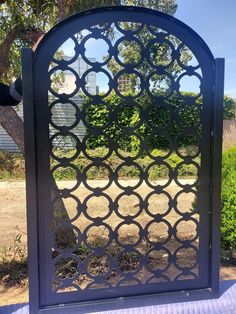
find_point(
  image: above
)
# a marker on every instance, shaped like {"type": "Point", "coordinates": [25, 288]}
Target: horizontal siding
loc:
{"type": "Point", "coordinates": [61, 115]}
{"type": "Point", "coordinates": [64, 115]}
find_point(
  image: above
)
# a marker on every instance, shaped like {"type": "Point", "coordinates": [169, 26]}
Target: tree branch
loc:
{"type": "Point", "coordinates": [5, 49]}
{"type": "Point", "coordinates": [61, 10]}
{"type": "Point", "coordinates": [31, 35]}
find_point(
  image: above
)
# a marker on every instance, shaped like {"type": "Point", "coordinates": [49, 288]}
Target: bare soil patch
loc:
{"type": "Point", "coordinates": [13, 222]}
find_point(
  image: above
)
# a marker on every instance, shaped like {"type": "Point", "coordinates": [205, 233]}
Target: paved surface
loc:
{"type": "Point", "coordinates": [225, 304]}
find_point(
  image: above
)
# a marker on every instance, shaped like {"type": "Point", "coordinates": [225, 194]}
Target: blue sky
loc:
{"type": "Point", "coordinates": [215, 22]}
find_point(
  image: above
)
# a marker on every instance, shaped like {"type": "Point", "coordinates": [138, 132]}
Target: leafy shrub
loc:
{"type": "Point", "coordinates": [157, 114]}
{"type": "Point", "coordinates": [13, 264]}
{"type": "Point", "coordinates": [229, 108]}
{"type": "Point", "coordinates": [11, 166]}
{"type": "Point", "coordinates": [127, 114]}
{"type": "Point", "coordinates": [228, 204]}
{"type": "Point", "coordinates": [126, 172]}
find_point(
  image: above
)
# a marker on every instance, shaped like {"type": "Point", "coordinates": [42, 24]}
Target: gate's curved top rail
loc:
{"type": "Point", "coordinates": [63, 30]}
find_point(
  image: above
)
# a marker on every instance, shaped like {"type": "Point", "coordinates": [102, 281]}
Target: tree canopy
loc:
{"type": "Point", "coordinates": [23, 21]}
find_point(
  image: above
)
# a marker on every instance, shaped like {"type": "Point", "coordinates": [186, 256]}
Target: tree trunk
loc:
{"type": "Point", "coordinates": [14, 126]}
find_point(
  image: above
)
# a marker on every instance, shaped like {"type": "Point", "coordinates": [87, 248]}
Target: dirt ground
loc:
{"type": "Point", "coordinates": [14, 295]}
{"type": "Point", "coordinates": [13, 207]}
{"type": "Point", "coordinates": [13, 220]}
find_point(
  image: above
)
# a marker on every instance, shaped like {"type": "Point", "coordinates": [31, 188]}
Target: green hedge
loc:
{"type": "Point", "coordinates": [228, 204]}
{"type": "Point", "coordinates": [128, 115]}
{"type": "Point", "coordinates": [12, 166]}
{"type": "Point", "coordinates": [156, 115]}
{"type": "Point", "coordinates": [229, 108]}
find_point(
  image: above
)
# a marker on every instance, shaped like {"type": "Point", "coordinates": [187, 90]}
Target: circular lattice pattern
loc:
{"type": "Point", "coordinates": [142, 139]}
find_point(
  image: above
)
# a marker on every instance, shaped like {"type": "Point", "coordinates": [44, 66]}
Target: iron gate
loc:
{"type": "Point", "coordinates": [132, 207]}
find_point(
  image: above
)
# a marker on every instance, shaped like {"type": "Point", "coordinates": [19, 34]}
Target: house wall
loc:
{"type": "Point", "coordinates": [61, 114]}
{"type": "Point", "coordinates": [64, 113]}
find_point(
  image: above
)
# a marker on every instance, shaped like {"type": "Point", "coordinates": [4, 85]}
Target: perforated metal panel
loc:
{"type": "Point", "coordinates": [128, 208]}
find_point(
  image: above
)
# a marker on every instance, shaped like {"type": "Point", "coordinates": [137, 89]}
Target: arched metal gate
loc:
{"type": "Point", "coordinates": [131, 208]}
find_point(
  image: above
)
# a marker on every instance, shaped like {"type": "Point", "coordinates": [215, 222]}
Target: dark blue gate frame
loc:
{"type": "Point", "coordinates": [36, 142]}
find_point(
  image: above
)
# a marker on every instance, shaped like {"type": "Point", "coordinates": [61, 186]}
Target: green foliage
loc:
{"type": "Point", "coordinates": [166, 6]}
{"type": "Point", "coordinates": [229, 108]}
{"type": "Point", "coordinates": [128, 115]}
{"type": "Point", "coordinates": [228, 204]}
{"type": "Point", "coordinates": [11, 166]}
{"type": "Point", "coordinates": [22, 17]}
{"type": "Point", "coordinates": [126, 172]}
{"type": "Point", "coordinates": [43, 15]}
{"type": "Point", "coordinates": [160, 53]}
{"type": "Point", "coordinates": [73, 6]}
{"type": "Point", "coordinates": [13, 264]}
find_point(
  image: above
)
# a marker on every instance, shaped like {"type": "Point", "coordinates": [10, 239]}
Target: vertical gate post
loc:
{"type": "Point", "coordinates": [217, 128]}
{"type": "Point", "coordinates": [31, 185]}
